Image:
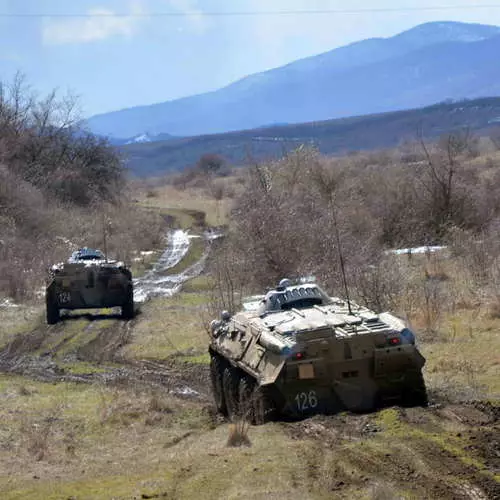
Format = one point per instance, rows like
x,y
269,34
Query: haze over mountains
x,y
424,65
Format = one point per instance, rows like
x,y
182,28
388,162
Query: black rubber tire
x,y
245,398
415,394
128,307
216,369
230,386
263,406
52,309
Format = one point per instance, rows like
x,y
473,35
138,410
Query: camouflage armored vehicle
x,y
89,280
297,351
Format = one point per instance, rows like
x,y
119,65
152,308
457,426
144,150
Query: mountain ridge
x,y
328,85
338,136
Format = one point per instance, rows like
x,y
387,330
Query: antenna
x,y
327,183
104,237
341,257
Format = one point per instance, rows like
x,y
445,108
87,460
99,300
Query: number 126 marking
x,y
306,400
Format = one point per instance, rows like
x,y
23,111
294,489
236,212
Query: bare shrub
x,y
39,432
238,433
57,183
158,403
211,164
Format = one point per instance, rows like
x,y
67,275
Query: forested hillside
x,y
335,137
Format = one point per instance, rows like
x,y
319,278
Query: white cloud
x,y
101,24
197,22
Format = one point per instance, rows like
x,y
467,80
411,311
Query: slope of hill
x,y
426,64
331,137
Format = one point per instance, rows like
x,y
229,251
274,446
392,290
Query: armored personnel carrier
x,y
297,351
89,280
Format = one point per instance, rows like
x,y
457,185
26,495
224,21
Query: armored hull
x,y
89,283
297,352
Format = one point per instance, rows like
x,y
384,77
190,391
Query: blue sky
x,y
114,62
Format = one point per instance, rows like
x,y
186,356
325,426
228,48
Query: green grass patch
x,y
169,326
195,253
390,420
202,283
21,319
146,263
180,218
82,367
199,359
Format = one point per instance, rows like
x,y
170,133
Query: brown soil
x,y
418,462
26,356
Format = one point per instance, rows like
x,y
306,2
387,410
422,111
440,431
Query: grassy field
x,y
180,203
61,440
112,409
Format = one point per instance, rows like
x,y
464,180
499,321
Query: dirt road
x,y
450,450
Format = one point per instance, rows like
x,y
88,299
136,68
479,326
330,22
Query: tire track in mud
x,y
25,354
23,357
422,456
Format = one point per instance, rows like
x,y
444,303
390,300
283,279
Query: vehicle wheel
x,y
415,394
263,406
52,308
128,307
230,385
216,370
245,398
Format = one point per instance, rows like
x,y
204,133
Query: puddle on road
x,y
157,282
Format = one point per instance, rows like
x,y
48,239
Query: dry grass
x,y
198,199
169,326
238,433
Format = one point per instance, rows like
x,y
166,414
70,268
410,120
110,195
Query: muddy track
x,y
26,356
36,353
422,459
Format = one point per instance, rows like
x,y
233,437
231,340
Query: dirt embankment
x,y
449,451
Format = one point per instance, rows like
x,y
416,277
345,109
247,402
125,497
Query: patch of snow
x,y
417,250
146,253
213,234
186,391
156,282
139,139
69,243
8,303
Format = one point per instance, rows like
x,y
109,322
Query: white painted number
x,y
64,297
306,400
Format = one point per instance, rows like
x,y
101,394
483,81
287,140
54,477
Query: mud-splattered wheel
x,y
52,308
216,369
263,406
128,306
245,398
415,394
230,385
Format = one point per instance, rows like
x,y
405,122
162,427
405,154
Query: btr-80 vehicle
x,y
89,280
297,351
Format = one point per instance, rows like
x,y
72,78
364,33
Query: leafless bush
x,y
238,433
39,432
59,186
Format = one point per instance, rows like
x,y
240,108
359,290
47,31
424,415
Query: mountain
x,y
331,137
421,66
